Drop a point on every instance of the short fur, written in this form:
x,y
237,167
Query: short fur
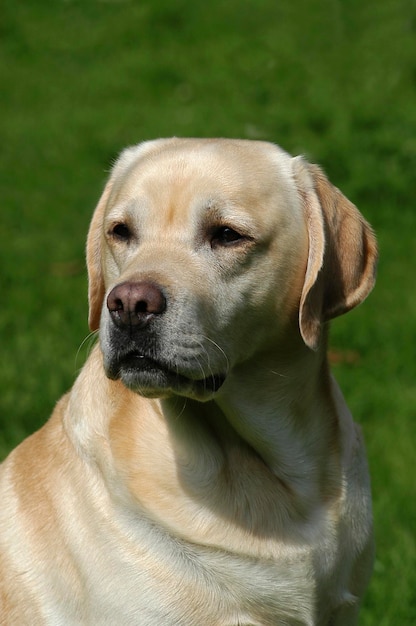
x,y
204,468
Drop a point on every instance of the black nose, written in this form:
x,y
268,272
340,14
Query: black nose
x,y
135,304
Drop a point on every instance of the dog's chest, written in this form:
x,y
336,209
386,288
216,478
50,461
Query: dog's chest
x,y
171,583
236,590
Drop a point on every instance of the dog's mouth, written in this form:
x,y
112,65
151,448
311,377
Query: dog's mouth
x,y
151,377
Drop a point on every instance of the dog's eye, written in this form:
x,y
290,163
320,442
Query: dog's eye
x,y
225,236
121,231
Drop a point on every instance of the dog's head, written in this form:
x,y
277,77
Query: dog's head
x,y
203,254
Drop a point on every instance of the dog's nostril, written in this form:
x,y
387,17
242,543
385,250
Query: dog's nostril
x,y
141,307
149,299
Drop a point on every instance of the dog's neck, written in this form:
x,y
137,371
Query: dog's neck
x,y
282,413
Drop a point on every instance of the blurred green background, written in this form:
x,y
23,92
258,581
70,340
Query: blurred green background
x,y
334,80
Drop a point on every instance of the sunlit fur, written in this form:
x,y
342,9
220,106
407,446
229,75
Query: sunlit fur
x,y
158,497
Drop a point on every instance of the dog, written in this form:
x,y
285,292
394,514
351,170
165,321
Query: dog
x,y
204,469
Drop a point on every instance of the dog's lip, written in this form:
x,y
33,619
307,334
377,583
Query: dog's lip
x,y
142,362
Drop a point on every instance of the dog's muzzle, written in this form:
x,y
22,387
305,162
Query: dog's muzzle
x,y
134,354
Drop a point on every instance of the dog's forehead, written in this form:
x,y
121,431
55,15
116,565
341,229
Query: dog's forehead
x,y
185,173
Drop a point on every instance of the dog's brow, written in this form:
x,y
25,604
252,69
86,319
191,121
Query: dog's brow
x,y
225,212
125,208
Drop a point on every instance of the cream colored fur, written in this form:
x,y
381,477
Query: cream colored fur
x,y
230,486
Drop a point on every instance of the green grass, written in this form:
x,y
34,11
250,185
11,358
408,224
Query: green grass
x,y
333,80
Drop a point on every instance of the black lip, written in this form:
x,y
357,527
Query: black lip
x,y
135,362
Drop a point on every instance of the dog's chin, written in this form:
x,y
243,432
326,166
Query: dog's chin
x,y
152,379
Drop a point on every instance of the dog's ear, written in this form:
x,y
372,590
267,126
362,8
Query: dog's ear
x,y
96,287
342,257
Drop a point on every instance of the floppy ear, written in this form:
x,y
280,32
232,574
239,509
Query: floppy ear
x,y
96,287
342,257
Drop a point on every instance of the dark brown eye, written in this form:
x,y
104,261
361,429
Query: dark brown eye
x,y
225,236
121,231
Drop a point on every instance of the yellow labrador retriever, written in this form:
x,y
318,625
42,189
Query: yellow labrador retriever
x,y
204,470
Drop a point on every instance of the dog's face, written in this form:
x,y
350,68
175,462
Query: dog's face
x,y
199,254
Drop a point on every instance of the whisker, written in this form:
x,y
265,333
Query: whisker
x,y
214,343
182,411
278,374
91,338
